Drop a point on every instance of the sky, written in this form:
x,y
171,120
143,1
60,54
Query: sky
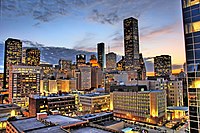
x,y
81,24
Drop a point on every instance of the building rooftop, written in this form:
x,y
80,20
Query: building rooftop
x,y
94,94
88,130
91,116
108,123
177,108
8,107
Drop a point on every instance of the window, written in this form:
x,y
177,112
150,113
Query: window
x,y
187,3
192,27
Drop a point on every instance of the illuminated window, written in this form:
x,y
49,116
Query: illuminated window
x,y
192,27
187,3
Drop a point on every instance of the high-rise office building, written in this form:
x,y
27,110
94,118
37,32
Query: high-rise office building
x,y
65,64
13,56
162,65
80,59
85,77
142,70
131,44
23,81
31,56
121,64
111,61
93,61
191,22
101,54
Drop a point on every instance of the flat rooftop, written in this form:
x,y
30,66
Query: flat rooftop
x,y
109,123
170,108
33,125
95,94
91,116
88,130
8,107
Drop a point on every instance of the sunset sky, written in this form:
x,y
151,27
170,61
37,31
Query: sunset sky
x,y
81,24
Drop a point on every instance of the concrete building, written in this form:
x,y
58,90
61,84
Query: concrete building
x,y
49,86
65,104
143,106
175,93
85,77
111,59
1,81
95,102
46,70
80,59
121,64
96,77
12,56
65,65
23,81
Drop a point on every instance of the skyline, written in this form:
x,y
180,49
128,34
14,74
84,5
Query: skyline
x,y
160,25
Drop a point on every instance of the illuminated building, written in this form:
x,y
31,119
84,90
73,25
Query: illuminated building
x,y
93,61
80,59
121,64
6,111
85,77
49,86
175,93
142,70
96,77
131,44
162,65
46,70
111,61
31,56
65,104
65,64
191,22
23,81
101,54
95,102
13,56
134,103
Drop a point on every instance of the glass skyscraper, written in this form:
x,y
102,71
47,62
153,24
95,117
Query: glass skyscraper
x,y
131,44
191,21
101,54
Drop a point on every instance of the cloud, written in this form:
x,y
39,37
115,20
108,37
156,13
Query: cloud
x,y
100,11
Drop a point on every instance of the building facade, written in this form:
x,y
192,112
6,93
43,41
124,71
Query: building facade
x,y
95,102
85,77
191,22
31,57
111,59
12,56
101,54
65,64
23,81
162,65
80,59
143,106
131,44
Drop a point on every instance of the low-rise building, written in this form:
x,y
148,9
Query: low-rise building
x,y
144,106
65,104
95,102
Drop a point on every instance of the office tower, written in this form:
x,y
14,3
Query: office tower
x,y
162,65
175,93
1,81
23,81
142,70
95,102
93,61
13,56
96,77
145,106
111,61
121,64
191,22
80,59
31,56
131,44
65,64
101,54
46,70
85,77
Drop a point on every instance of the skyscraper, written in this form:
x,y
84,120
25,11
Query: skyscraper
x,y
13,56
162,65
131,44
191,22
111,61
142,69
101,54
31,56
80,59
65,64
